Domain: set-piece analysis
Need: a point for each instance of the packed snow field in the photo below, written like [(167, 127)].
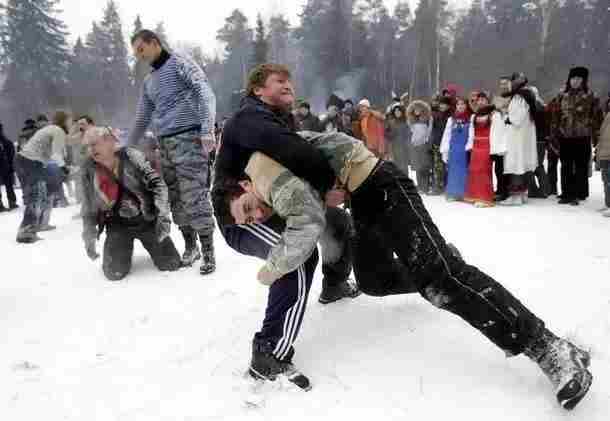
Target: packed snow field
[(175, 346)]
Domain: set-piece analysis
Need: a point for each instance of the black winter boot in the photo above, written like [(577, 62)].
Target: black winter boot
[(208, 265), (191, 249), (333, 293), (264, 366), (565, 365)]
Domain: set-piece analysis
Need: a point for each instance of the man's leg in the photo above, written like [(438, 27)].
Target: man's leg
[(118, 252), (605, 171), (447, 282), (187, 163), (552, 161), (337, 253), (581, 165), (272, 347), (33, 181), (164, 254)]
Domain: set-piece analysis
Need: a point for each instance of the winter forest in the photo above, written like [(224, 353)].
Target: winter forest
[(353, 48)]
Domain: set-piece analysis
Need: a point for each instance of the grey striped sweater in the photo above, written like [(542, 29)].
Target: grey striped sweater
[(174, 98)]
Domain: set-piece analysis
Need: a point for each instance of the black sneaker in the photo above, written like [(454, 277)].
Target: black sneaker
[(265, 366), (208, 265), (565, 365), (334, 293)]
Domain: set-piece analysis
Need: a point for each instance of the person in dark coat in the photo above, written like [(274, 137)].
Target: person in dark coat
[(305, 120), (7, 171)]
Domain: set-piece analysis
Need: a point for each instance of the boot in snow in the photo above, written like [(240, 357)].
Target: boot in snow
[(333, 293), (565, 365), (265, 366), (208, 265), (191, 249)]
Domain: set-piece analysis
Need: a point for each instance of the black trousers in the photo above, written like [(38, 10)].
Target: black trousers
[(575, 156), (390, 217), (9, 183), (502, 180), (538, 181), (553, 161), (118, 248)]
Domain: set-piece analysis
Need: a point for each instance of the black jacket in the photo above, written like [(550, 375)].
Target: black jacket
[(257, 127), (7, 157)]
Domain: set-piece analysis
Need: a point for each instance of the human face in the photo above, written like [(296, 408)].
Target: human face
[(505, 86), (482, 102), (147, 52), (102, 148), (278, 91), (303, 111), (576, 82), (443, 107), (461, 106), (249, 208), (397, 113), (83, 125), (364, 110)]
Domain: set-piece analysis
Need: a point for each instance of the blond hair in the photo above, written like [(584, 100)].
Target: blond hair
[(97, 132)]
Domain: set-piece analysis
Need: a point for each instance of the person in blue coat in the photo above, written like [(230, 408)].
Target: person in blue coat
[(453, 149)]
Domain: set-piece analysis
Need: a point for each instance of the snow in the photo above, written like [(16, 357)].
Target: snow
[(175, 346)]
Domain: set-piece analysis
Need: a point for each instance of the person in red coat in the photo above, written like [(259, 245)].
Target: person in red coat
[(479, 189)]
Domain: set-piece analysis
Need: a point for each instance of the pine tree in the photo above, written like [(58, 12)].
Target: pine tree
[(140, 69), (79, 80), (279, 38), (237, 38), (36, 56), (260, 45)]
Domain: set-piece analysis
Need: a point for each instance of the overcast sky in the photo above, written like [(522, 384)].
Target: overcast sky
[(185, 20)]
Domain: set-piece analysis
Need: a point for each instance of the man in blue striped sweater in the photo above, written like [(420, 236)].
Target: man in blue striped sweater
[(179, 105)]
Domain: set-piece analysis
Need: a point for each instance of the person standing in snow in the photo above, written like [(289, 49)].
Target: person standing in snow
[(419, 117), (398, 135), (521, 155), (390, 219), (46, 146), (124, 196), (603, 158), (575, 126), (453, 150), (440, 118), (178, 102), (7, 171)]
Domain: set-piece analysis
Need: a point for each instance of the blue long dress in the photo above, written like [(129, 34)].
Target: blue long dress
[(457, 167)]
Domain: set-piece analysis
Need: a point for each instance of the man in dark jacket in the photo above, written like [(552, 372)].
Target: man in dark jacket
[(575, 128), (265, 124), (7, 171), (439, 122), (127, 198), (306, 120)]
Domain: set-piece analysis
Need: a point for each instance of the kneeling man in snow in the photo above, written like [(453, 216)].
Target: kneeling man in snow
[(390, 218), (127, 198)]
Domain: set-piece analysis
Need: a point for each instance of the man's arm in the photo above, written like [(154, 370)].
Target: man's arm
[(195, 78), (143, 117), (152, 180), (88, 208), (287, 148), (295, 201)]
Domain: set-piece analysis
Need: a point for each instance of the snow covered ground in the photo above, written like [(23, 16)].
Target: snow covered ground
[(175, 346)]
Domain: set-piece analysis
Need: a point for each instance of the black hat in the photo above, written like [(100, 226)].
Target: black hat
[(581, 72), (446, 100), (304, 104)]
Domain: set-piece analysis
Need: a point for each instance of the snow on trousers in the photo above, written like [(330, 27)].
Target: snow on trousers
[(390, 217), (185, 171), (118, 247), (288, 295), (33, 178)]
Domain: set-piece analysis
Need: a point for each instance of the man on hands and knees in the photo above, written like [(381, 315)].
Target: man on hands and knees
[(125, 196)]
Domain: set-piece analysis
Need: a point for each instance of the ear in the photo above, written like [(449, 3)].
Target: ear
[(258, 91)]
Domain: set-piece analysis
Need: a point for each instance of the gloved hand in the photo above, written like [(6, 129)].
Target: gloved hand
[(91, 249), (163, 228)]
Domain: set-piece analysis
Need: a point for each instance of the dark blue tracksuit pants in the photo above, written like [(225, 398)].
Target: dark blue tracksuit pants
[(287, 296)]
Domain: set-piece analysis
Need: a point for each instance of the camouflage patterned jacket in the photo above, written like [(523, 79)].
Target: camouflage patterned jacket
[(147, 198), (298, 203), (577, 115)]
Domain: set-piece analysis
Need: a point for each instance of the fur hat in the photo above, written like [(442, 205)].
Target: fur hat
[(581, 72), (364, 103)]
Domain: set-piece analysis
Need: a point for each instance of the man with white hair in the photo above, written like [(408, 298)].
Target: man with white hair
[(123, 195)]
